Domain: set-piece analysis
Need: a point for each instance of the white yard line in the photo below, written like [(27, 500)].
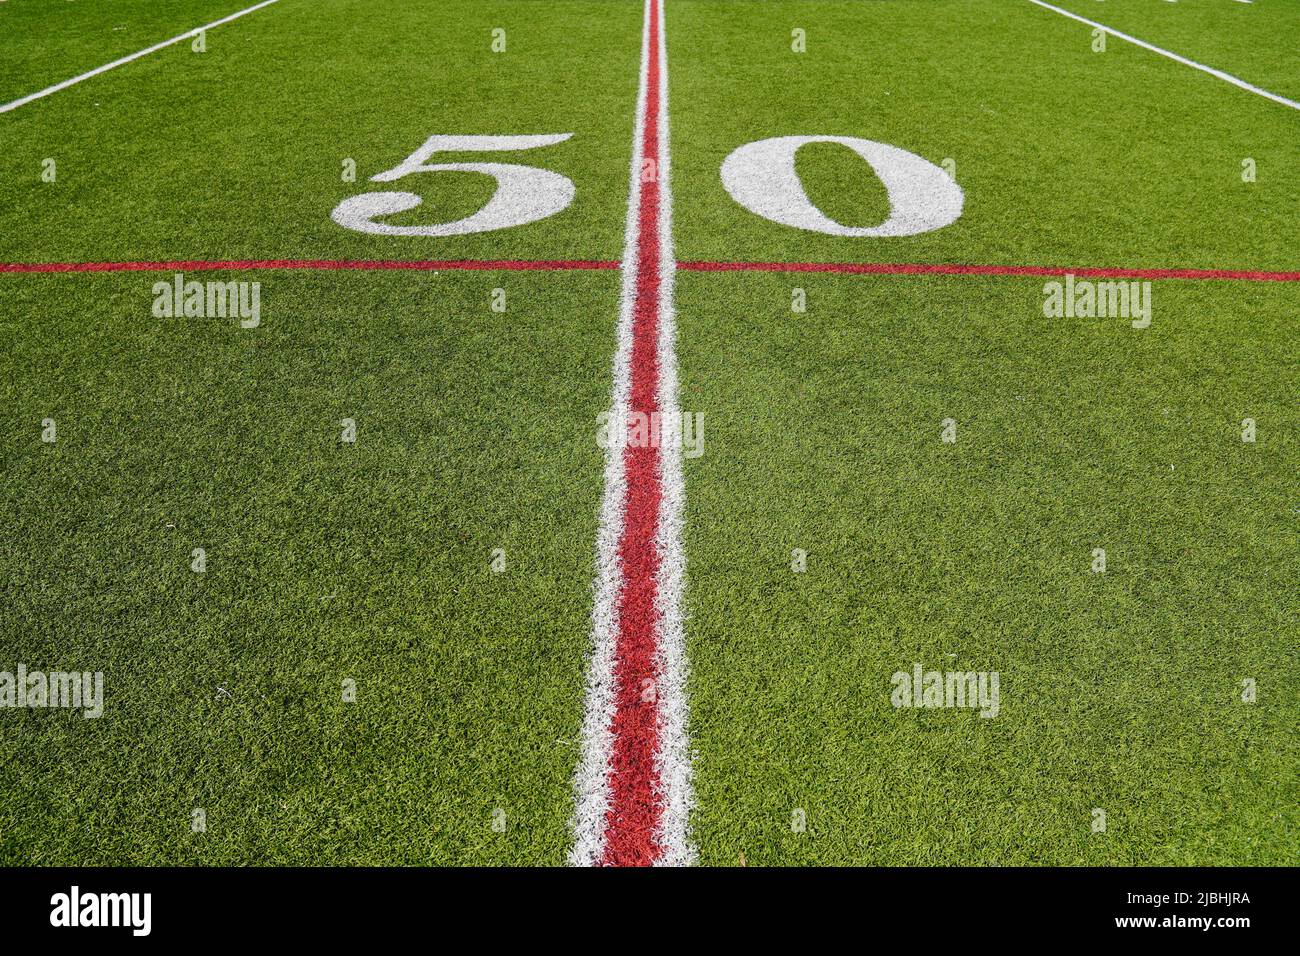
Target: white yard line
[(127, 59), (1226, 77), (625, 814), (592, 782), (673, 759)]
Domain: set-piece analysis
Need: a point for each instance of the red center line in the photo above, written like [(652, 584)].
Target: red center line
[(633, 792), (634, 807)]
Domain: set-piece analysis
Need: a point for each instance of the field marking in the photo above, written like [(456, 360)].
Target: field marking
[(633, 786), (127, 59), (1227, 77), (954, 269), (363, 265), (762, 177), (581, 265), (673, 757)]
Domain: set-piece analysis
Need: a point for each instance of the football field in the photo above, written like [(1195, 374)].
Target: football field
[(733, 432)]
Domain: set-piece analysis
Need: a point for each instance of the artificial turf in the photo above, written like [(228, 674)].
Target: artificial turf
[(325, 561), (1122, 690), (1253, 41), (1119, 690), (237, 153), (1066, 157), (331, 561), (43, 42)]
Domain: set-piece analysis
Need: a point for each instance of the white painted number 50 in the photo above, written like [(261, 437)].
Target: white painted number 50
[(524, 194), (761, 177)]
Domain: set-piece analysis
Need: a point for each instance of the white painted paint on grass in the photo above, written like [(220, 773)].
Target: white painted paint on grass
[(673, 756), (1226, 77), (591, 781), (524, 194), (761, 176), (134, 56)]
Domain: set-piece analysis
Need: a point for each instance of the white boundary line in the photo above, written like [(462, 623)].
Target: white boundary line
[(1226, 77), (592, 778), (673, 757), (127, 59)]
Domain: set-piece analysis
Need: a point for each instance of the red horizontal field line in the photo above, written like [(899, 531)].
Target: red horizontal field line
[(560, 265), (420, 265), (940, 268)]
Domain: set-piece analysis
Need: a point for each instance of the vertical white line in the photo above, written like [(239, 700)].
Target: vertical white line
[(592, 779), (674, 759)]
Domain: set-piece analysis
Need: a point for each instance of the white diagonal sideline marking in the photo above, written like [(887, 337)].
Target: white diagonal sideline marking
[(127, 59), (1226, 77)]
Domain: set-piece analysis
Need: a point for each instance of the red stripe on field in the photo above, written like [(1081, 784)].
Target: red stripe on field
[(561, 265), (419, 265), (635, 809), (923, 268)]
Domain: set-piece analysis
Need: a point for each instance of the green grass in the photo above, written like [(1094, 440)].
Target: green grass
[(1066, 157), (77, 36), (476, 430), (1119, 690), (1257, 42), (326, 562), (237, 152)]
